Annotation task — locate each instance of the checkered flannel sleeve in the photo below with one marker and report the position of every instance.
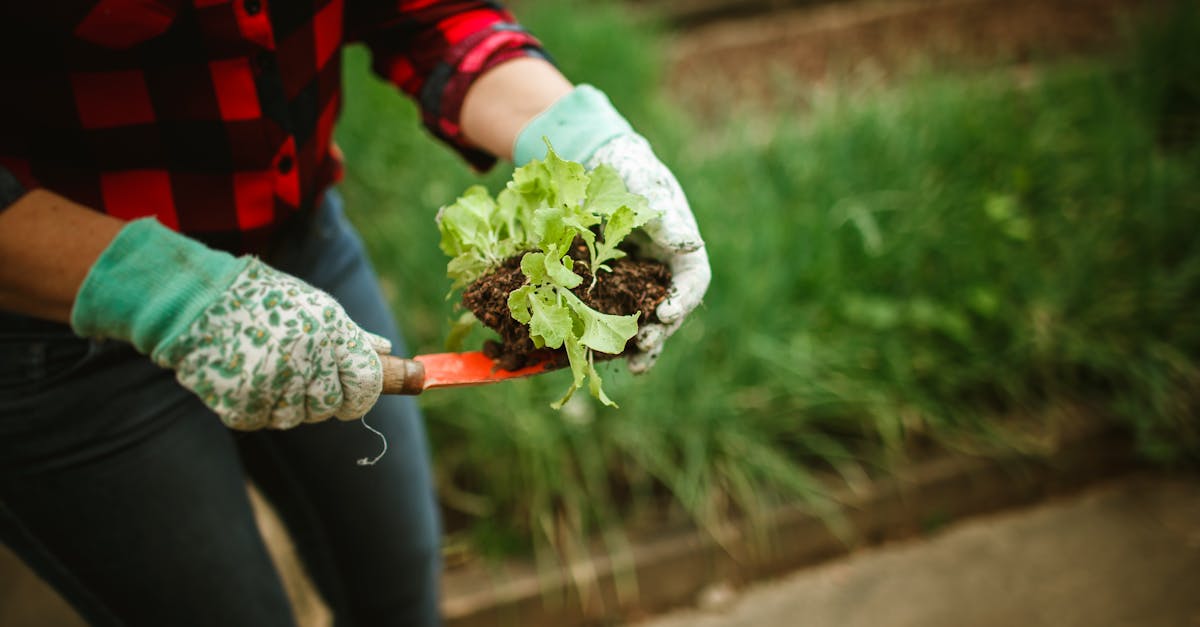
(434, 50)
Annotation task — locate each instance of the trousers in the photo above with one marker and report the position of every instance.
(126, 494)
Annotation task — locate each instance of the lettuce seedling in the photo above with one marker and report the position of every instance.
(538, 215)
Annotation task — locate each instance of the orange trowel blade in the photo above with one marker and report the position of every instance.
(473, 368)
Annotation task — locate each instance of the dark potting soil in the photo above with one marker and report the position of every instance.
(634, 285)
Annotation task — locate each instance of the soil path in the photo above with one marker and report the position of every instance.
(771, 55)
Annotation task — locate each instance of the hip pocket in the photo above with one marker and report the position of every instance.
(30, 363)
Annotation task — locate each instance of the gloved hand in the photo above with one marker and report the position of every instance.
(583, 126)
(261, 348)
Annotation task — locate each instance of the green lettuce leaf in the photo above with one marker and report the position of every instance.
(550, 322)
(546, 207)
(603, 332)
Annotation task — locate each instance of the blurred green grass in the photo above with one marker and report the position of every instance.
(891, 265)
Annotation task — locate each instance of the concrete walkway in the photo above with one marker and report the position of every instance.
(1122, 553)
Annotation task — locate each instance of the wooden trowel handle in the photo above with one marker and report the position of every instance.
(402, 376)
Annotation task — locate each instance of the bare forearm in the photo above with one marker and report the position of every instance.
(47, 246)
(501, 102)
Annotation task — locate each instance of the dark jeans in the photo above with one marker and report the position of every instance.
(128, 496)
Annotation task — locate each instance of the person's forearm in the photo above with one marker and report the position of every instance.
(47, 246)
(501, 102)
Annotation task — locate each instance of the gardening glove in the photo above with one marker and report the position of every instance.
(583, 126)
(261, 348)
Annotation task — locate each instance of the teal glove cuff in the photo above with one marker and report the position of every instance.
(149, 285)
(577, 125)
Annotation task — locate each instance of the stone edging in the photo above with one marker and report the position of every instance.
(673, 569)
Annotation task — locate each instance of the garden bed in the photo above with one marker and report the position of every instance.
(673, 567)
(898, 264)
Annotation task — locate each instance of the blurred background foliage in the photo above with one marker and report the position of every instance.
(931, 263)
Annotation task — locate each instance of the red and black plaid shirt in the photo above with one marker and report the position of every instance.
(216, 116)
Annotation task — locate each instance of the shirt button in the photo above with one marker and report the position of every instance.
(252, 6)
(263, 62)
(285, 164)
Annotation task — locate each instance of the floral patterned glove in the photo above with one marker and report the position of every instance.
(261, 348)
(583, 126)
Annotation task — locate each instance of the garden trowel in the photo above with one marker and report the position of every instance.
(439, 370)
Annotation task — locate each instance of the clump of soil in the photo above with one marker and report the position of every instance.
(634, 285)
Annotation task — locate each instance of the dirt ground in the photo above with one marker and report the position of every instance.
(769, 58)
